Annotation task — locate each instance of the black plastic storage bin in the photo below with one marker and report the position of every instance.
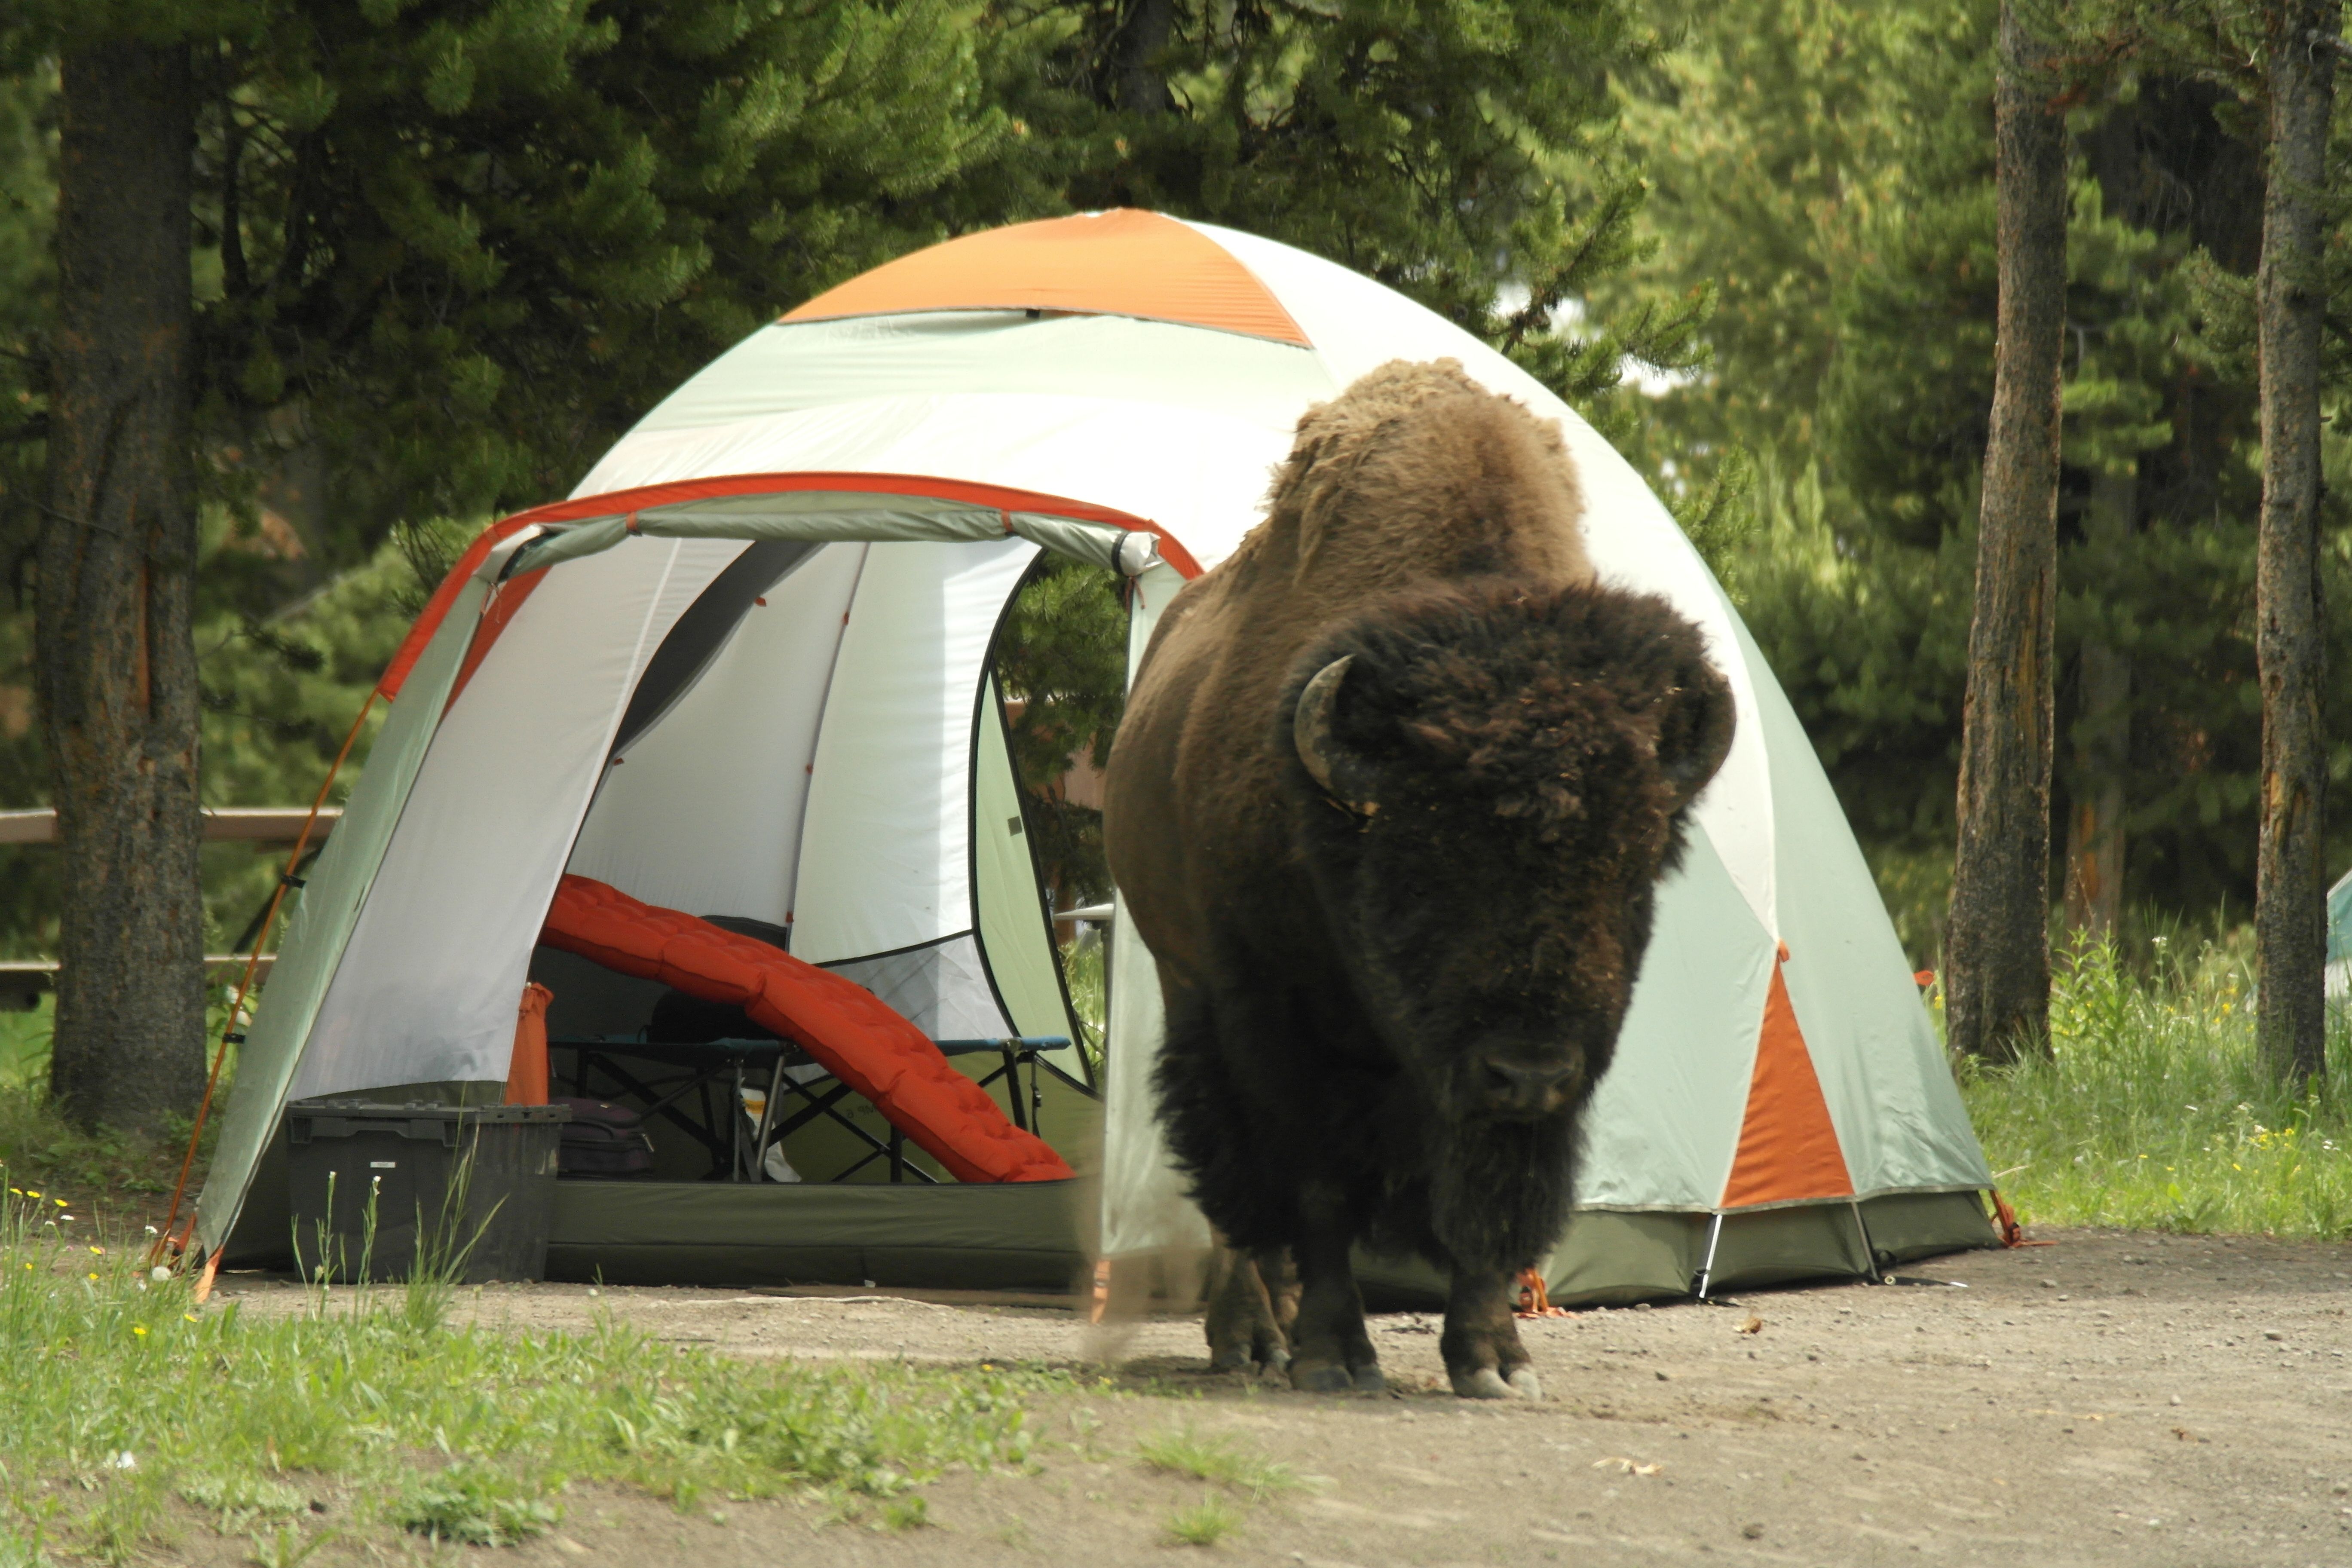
(470, 1188)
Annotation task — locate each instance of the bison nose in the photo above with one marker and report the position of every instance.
(1520, 1088)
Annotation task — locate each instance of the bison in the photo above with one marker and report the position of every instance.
(1390, 805)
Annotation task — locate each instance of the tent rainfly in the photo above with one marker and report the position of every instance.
(744, 674)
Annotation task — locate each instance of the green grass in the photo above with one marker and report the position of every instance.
(2153, 1110)
(481, 1505)
(120, 1175)
(1221, 1461)
(1204, 1523)
(122, 1396)
(25, 1042)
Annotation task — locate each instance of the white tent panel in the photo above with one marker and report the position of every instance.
(703, 813)
(813, 364)
(1144, 1207)
(1200, 474)
(1358, 325)
(427, 986)
(941, 988)
(884, 862)
(324, 913)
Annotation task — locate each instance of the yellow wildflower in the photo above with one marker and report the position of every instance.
(139, 1329)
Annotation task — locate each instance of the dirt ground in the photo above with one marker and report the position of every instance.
(2116, 1398)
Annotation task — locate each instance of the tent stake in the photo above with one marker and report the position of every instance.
(1707, 1269)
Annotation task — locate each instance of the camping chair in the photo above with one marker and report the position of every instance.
(701, 1067)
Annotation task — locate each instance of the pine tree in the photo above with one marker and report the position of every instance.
(445, 250)
(448, 252)
(1461, 154)
(1858, 585)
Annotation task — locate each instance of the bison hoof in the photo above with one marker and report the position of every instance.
(1244, 1364)
(1484, 1383)
(1320, 1377)
(1368, 1380)
(1523, 1383)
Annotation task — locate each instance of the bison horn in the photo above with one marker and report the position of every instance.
(1344, 776)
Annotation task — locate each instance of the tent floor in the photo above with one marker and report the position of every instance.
(1015, 1236)
(1036, 1235)
(1612, 1257)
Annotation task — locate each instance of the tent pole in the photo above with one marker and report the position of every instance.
(1869, 1252)
(735, 1124)
(767, 1119)
(1707, 1269)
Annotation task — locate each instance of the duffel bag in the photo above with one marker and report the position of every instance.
(604, 1140)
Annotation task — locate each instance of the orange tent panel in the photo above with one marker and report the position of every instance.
(1789, 1148)
(1120, 263)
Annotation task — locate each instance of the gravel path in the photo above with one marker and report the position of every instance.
(2116, 1398)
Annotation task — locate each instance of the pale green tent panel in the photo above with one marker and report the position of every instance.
(1017, 941)
(1013, 931)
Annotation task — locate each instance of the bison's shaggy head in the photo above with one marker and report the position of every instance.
(1491, 782)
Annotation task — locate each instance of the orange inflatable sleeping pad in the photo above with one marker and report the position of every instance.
(840, 1024)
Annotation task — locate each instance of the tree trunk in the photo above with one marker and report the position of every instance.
(2095, 833)
(1142, 40)
(2290, 882)
(115, 654)
(1998, 945)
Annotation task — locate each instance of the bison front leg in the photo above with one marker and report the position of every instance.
(1481, 1343)
(1253, 1301)
(1331, 1352)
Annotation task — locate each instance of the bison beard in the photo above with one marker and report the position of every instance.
(1398, 1047)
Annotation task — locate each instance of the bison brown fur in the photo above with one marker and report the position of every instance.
(1389, 807)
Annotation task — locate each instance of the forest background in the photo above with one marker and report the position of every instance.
(444, 252)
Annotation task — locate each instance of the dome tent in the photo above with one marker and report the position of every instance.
(773, 601)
